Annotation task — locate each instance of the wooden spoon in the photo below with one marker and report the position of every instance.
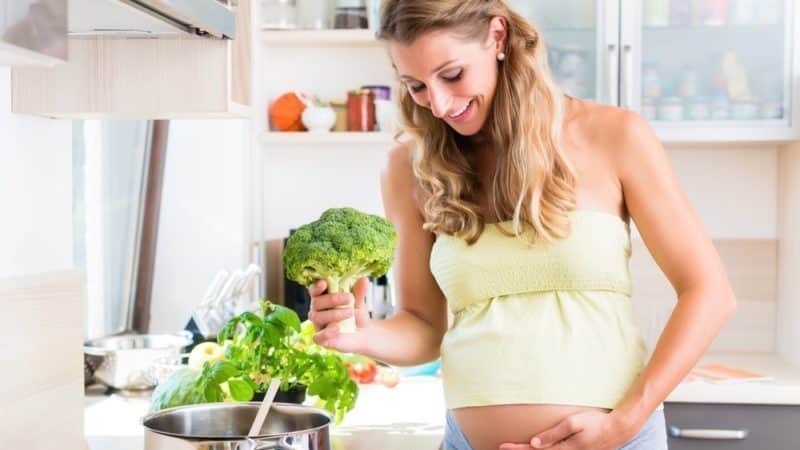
(258, 422)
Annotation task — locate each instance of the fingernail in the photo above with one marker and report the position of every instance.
(536, 442)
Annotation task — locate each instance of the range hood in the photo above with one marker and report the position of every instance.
(151, 18)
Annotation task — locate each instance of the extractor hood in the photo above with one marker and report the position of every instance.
(151, 18)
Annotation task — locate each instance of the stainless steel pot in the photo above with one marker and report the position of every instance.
(224, 426)
(127, 359)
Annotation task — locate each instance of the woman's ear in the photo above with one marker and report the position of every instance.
(498, 33)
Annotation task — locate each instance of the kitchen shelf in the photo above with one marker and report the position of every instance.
(342, 137)
(320, 38)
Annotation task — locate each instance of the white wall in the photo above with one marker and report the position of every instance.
(204, 215)
(35, 190)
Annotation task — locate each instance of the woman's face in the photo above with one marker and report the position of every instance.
(453, 77)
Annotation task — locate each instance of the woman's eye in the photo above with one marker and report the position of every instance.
(454, 77)
(416, 87)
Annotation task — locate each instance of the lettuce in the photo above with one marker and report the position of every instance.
(189, 387)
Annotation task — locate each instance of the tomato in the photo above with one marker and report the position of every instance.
(362, 371)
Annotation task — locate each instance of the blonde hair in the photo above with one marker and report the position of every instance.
(533, 183)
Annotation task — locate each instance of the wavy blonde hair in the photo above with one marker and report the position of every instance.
(533, 183)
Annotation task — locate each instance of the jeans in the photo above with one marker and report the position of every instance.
(652, 436)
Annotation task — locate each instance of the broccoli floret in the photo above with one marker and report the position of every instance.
(340, 247)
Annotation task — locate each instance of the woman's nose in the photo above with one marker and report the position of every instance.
(439, 103)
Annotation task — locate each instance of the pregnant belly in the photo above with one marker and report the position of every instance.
(487, 427)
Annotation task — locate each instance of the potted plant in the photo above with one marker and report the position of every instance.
(275, 344)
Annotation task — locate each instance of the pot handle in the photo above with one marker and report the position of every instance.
(281, 445)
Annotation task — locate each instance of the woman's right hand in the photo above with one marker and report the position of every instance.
(327, 310)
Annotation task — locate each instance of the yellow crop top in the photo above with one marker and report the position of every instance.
(539, 324)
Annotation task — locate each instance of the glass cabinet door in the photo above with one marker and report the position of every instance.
(691, 65)
(582, 44)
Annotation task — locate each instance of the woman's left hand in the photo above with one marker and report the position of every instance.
(591, 430)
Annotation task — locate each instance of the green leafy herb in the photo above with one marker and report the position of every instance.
(278, 345)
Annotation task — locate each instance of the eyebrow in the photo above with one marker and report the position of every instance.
(406, 77)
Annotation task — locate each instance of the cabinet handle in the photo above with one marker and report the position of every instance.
(627, 76)
(707, 433)
(613, 72)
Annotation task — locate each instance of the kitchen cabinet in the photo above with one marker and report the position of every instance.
(41, 386)
(698, 70)
(33, 32)
(144, 78)
(705, 426)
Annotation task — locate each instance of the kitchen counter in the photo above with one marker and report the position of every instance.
(411, 415)
(783, 389)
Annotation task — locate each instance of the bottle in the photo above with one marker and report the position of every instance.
(656, 13)
(279, 14)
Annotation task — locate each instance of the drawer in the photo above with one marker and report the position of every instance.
(767, 427)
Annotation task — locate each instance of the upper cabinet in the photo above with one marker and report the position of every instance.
(698, 70)
(160, 66)
(33, 32)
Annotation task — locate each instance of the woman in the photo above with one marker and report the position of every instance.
(512, 207)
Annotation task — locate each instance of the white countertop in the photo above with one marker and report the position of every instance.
(783, 389)
(411, 415)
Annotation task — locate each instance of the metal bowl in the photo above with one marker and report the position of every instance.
(127, 359)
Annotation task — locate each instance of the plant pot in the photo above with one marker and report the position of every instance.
(296, 395)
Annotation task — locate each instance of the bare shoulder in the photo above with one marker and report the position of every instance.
(399, 184)
(400, 162)
(623, 136)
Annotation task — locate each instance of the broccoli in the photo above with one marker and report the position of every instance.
(343, 245)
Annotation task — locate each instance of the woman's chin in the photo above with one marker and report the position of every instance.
(466, 129)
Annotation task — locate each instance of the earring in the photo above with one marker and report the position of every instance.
(501, 56)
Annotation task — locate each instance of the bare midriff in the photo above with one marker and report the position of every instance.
(487, 427)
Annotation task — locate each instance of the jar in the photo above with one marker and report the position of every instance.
(340, 107)
(319, 118)
(689, 84)
(698, 108)
(351, 14)
(279, 14)
(745, 108)
(385, 115)
(771, 109)
(361, 110)
(313, 14)
(670, 109)
(651, 80)
(720, 108)
(649, 109)
(381, 92)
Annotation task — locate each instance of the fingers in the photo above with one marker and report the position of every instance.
(328, 301)
(558, 433)
(330, 337)
(323, 318)
(515, 447)
(318, 288)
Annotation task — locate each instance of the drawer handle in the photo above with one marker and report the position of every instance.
(706, 433)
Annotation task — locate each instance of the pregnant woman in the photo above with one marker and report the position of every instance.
(513, 204)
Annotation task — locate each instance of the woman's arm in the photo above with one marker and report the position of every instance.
(675, 237)
(678, 242)
(414, 333)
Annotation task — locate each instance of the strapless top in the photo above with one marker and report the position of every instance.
(545, 323)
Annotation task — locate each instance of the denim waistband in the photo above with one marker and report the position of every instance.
(652, 436)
